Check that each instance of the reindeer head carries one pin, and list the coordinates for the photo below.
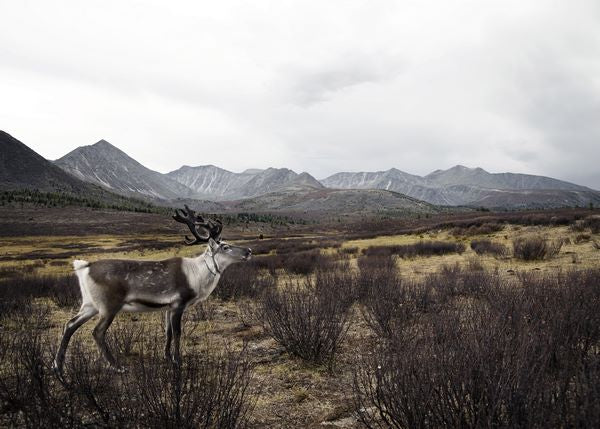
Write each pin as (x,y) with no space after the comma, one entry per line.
(225,254)
(209,232)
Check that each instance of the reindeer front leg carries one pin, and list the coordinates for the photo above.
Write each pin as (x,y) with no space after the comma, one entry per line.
(175,319)
(168,334)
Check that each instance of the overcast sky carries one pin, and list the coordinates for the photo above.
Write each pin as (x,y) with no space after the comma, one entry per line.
(319,86)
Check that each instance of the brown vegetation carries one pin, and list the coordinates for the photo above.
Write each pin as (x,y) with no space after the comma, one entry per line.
(422,248)
(401,331)
(517,357)
(488,247)
(535,248)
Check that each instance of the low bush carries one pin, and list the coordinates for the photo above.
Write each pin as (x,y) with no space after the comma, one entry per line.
(62,290)
(523,357)
(578,226)
(593,223)
(308,321)
(535,248)
(582,238)
(209,389)
(374,269)
(484,229)
(242,280)
(123,335)
(487,247)
(391,306)
(454,280)
(422,248)
(304,262)
(349,250)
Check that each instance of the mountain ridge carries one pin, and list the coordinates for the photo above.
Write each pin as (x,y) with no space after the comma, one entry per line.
(224,185)
(460,185)
(106,165)
(30,178)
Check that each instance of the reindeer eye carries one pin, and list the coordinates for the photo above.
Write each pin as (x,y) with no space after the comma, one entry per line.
(226,247)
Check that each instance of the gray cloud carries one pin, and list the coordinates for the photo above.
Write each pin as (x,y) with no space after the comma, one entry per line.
(310,86)
(315,86)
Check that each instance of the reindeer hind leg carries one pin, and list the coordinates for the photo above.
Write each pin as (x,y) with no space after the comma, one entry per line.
(86,312)
(99,334)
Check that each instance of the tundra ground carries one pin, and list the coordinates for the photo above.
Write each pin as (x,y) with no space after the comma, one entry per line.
(285,390)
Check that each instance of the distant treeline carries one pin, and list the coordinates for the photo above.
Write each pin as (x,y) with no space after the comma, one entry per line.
(25,197)
(28,197)
(262,218)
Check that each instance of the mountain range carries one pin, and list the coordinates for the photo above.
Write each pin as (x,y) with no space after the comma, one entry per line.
(22,169)
(104,166)
(461,185)
(214,183)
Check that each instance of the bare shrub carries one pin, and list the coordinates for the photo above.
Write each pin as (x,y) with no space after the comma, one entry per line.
(535,248)
(247,313)
(202,311)
(124,335)
(578,226)
(339,280)
(374,269)
(308,321)
(304,262)
(242,280)
(100,395)
(593,223)
(483,229)
(388,308)
(454,280)
(207,390)
(349,250)
(522,357)
(270,263)
(62,290)
(582,238)
(65,291)
(487,247)
(307,262)
(29,393)
(422,248)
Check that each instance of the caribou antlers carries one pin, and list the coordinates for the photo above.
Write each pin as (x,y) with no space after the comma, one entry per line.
(212,228)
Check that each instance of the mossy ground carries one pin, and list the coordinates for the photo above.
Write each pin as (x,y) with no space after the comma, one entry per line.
(291,393)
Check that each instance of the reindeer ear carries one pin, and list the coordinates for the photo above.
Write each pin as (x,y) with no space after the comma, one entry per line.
(213,244)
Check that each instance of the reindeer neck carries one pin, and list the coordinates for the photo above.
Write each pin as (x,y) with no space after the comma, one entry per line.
(211,263)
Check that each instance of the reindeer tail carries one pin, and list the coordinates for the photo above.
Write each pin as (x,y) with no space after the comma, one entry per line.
(79,264)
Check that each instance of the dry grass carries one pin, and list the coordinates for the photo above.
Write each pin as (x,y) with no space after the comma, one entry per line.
(293,393)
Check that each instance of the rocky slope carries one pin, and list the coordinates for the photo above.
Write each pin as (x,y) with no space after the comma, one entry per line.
(215,183)
(23,168)
(105,165)
(460,185)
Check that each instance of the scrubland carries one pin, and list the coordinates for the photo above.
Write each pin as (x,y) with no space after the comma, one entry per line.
(487,320)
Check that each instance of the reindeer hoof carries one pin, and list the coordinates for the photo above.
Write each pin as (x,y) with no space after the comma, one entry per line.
(57,368)
(118,369)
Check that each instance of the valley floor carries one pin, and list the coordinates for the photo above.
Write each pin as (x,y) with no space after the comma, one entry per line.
(288,391)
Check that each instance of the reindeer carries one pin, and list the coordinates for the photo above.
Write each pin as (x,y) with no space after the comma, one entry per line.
(111,286)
